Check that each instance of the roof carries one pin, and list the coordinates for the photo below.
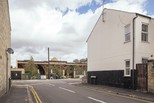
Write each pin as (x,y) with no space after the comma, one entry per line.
(118,11)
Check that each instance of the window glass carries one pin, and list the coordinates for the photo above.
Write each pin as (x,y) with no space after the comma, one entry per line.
(144,27)
(127,33)
(144,33)
(127,68)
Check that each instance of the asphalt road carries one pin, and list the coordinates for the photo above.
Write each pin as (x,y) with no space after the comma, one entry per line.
(63,91)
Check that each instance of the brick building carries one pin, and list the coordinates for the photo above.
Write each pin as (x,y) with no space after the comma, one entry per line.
(68,69)
(5,43)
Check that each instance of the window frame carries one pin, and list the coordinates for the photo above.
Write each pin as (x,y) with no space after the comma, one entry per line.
(127,68)
(127,32)
(144,32)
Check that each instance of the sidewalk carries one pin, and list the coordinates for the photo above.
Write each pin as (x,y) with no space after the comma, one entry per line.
(121,91)
(17,94)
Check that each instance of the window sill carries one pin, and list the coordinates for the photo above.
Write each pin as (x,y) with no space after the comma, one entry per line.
(127,75)
(127,42)
(145,42)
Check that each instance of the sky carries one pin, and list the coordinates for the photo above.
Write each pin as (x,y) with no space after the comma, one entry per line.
(61,25)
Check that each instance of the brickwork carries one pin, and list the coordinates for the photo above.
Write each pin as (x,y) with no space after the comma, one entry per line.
(67,69)
(151,76)
(5,42)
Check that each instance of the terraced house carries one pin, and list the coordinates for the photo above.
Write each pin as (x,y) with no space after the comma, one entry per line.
(5,43)
(118,42)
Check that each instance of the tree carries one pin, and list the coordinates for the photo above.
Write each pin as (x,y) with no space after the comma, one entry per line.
(76,61)
(57,70)
(31,69)
(83,60)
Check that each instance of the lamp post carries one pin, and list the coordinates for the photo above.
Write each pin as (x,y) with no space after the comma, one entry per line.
(8,51)
(48,63)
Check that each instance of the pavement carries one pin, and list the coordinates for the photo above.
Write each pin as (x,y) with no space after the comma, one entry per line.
(120,91)
(21,94)
(17,94)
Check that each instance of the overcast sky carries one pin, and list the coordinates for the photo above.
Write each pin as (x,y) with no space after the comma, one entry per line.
(61,25)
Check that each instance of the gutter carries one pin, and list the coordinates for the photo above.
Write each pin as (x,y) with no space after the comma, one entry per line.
(133,56)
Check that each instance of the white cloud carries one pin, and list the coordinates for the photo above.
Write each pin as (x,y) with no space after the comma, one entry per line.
(39,24)
(58,4)
(128,5)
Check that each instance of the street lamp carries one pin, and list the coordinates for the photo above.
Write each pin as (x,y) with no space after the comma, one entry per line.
(8,51)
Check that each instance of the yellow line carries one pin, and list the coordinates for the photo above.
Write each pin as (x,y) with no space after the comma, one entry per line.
(34,96)
(37,99)
(37,96)
(146,101)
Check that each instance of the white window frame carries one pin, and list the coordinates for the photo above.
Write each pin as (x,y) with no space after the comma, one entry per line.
(144,33)
(127,67)
(127,33)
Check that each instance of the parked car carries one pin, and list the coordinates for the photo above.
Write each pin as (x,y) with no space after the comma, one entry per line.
(54,76)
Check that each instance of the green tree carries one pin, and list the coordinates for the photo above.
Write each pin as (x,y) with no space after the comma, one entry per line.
(83,60)
(57,70)
(76,61)
(31,69)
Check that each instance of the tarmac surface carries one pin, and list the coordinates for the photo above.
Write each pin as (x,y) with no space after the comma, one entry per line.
(21,94)
(16,95)
(121,91)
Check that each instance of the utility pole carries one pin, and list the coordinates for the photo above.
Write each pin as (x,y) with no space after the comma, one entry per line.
(48,63)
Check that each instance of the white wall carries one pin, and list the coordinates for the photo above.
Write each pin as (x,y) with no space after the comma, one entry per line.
(144,49)
(106,47)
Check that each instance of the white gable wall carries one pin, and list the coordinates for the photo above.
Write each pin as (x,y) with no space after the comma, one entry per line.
(106,47)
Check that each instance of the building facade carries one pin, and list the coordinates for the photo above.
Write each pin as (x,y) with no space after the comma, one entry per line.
(5,43)
(61,68)
(118,42)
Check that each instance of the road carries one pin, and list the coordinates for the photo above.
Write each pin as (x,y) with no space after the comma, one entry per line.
(63,91)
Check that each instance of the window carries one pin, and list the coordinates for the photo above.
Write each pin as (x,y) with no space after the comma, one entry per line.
(144,34)
(144,60)
(127,68)
(127,33)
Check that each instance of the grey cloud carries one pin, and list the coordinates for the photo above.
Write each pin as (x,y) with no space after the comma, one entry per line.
(31,50)
(62,47)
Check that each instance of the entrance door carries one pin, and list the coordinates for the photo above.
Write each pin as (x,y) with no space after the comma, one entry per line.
(141,70)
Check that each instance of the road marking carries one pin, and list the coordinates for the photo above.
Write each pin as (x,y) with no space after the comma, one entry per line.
(111,93)
(52,85)
(74,83)
(67,90)
(96,100)
(37,98)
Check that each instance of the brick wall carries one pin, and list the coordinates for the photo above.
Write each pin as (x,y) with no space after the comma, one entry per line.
(151,76)
(5,42)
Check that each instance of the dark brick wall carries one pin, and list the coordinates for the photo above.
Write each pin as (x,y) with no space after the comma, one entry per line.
(114,78)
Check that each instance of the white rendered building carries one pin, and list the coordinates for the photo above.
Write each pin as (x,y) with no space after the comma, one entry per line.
(119,41)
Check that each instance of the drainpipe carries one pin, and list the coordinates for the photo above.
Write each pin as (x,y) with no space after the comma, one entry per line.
(7,72)
(133,56)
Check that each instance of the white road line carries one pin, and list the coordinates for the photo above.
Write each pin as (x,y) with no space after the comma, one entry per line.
(74,83)
(96,100)
(52,85)
(67,90)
